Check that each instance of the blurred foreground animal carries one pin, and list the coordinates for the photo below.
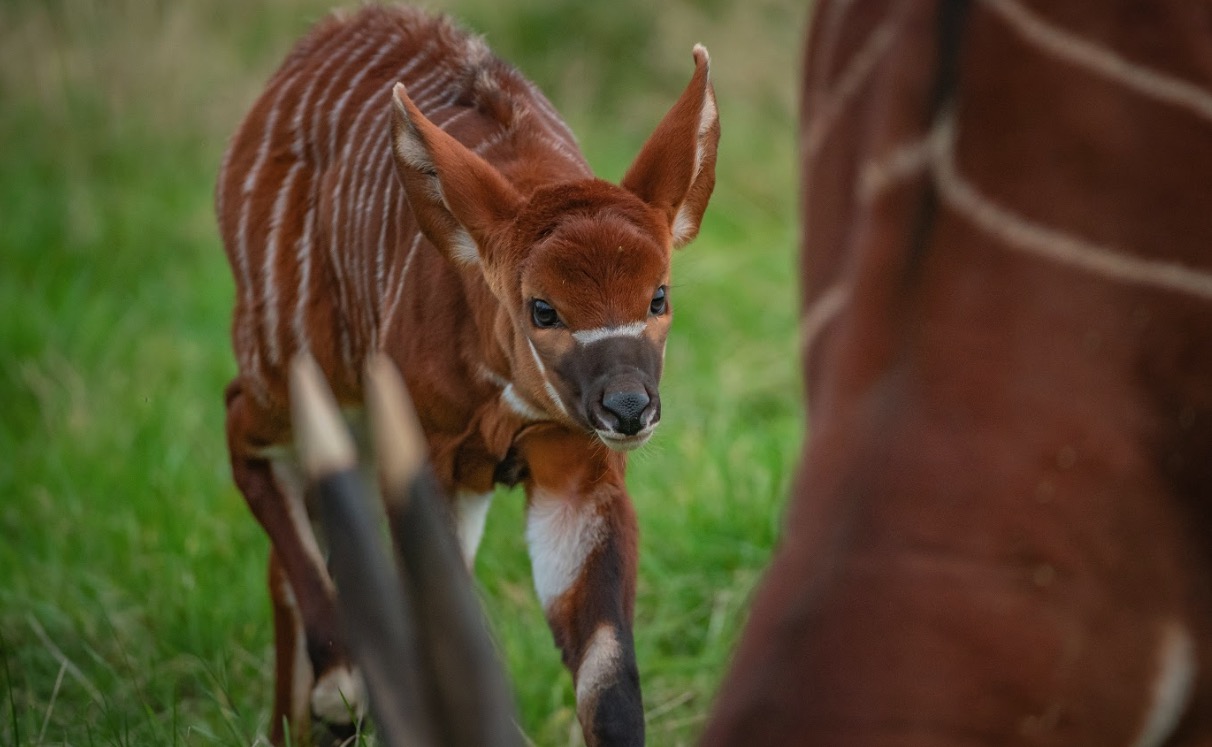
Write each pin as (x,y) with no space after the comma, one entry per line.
(410,615)
(398,189)
(1001,528)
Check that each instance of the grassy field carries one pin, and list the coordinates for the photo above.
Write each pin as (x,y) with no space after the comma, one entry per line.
(132,602)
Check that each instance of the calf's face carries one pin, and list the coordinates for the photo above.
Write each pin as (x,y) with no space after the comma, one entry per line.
(593,305)
(581,266)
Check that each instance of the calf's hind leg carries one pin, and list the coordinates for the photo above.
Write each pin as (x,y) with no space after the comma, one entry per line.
(300,587)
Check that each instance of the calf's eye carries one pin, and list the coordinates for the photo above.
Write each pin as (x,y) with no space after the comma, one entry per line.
(658,305)
(543,315)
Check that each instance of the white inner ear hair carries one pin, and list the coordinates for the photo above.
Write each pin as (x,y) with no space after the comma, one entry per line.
(683,225)
(412,151)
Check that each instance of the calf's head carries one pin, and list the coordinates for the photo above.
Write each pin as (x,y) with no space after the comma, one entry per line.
(582,266)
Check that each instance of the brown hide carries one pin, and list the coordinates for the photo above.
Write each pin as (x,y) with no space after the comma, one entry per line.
(999,528)
(397,189)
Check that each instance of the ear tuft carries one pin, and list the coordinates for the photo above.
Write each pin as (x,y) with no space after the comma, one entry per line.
(675,170)
(456,196)
(409,145)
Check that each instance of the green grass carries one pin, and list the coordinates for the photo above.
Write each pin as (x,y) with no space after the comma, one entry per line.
(132,601)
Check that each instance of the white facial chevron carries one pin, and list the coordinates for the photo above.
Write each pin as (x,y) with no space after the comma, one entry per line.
(590,336)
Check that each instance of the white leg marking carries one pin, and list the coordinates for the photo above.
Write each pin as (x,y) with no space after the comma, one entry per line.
(1172,689)
(339,696)
(599,664)
(471,512)
(560,535)
(1078,51)
(302,677)
(290,482)
(1018,232)
(590,336)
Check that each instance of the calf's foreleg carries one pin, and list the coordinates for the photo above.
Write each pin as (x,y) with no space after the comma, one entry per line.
(581,533)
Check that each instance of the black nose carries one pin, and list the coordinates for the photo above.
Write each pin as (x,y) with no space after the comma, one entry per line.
(627,406)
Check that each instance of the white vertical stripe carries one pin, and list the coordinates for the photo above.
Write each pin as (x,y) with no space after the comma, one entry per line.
(850,82)
(462,112)
(335,266)
(305,142)
(553,117)
(551,391)
(348,60)
(381,206)
(1172,687)
(320,75)
(427,83)
(519,406)
(351,86)
(820,313)
(389,316)
(269,270)
(358,246)
(488,143)
(437,98)
(356,254)
(375,143)
(1018,232)
(1101,61)
(303,258)
(251,361)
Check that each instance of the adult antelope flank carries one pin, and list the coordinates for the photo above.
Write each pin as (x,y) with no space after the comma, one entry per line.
(398,189)
(1000,526)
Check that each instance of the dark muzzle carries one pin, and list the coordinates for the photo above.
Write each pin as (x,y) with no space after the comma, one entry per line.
(627,405)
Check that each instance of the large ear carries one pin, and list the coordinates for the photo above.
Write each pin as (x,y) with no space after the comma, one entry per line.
(457,197)
(675,171)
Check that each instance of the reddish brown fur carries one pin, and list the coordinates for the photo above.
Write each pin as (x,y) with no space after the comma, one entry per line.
(999,530)
(349,217)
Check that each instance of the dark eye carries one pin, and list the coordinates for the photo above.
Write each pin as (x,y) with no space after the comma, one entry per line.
(657,307)
(543,315)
